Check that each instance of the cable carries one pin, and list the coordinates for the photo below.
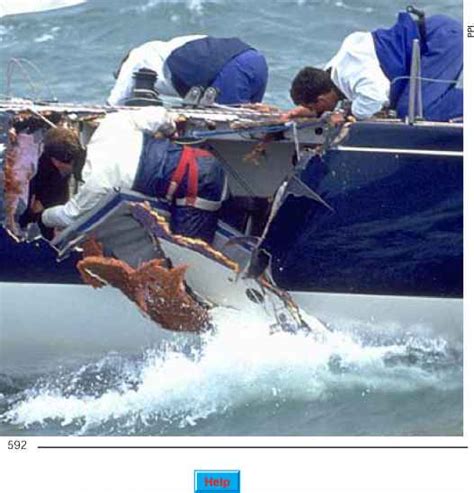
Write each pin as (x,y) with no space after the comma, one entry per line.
(426,79)
(10,68)
(20,63)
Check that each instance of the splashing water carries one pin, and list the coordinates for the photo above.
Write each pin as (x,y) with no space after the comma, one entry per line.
(240,366)
(193,6)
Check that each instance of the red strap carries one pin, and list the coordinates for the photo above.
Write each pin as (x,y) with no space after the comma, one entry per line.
(187,162)
(193,177)
(180,170)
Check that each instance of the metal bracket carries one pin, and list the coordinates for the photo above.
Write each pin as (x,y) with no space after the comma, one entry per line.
(193,96)
(198,97)
(209,97)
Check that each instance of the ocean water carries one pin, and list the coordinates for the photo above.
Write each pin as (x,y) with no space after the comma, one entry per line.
(78,48)
(241,380)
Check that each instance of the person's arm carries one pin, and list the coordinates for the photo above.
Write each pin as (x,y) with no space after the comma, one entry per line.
(61,216)
(369,99)
(112,160)
(153,119)
(356,71)
(101,171)
(363,108)
(299,112)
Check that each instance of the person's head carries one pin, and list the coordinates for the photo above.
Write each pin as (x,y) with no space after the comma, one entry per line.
(314,89)
(64,149)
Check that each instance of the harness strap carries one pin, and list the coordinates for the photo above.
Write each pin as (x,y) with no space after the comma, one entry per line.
(203,204)
(193,176)
(187,163)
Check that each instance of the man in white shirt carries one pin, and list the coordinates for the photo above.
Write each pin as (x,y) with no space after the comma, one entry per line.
(126,153)
(234,68)
(353,74)
(371,70)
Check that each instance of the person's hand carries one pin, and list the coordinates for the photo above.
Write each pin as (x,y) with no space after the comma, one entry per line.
(155,120)
(180,121)
(299,112)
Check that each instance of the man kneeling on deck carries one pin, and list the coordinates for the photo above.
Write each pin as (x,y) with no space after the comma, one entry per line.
(126,153)
(371,70)
(235,69)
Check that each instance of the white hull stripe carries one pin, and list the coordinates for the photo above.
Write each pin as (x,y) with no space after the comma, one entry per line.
(385,150)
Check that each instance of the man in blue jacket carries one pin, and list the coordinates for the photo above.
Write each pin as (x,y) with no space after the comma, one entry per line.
(125,152)
(238,71)
(371,70)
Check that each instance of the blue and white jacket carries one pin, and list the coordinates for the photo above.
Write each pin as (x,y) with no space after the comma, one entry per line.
(123,154)
(371,68)
(179,63)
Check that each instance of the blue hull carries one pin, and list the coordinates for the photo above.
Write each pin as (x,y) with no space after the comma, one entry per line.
(394,226)
(34,262)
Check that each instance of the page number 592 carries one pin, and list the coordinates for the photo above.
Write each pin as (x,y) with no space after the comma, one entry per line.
(16,444)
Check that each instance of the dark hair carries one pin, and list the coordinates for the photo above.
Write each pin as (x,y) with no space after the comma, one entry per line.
(64,145)
(310,83)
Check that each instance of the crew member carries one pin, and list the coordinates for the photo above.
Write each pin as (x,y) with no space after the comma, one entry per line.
(371,70)
(125,152)
(238,71)
(50,185)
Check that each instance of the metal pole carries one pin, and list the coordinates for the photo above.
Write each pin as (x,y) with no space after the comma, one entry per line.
(419,83)
(415,84)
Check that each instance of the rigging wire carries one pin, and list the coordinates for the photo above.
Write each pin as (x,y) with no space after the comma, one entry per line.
(425,79)
(22,64)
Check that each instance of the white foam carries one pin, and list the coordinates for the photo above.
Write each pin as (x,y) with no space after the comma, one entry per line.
(343,5)
(238,365)
(43,38)
(13,7)
(194,6)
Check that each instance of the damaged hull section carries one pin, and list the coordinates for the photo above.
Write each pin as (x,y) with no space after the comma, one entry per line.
(380,252)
